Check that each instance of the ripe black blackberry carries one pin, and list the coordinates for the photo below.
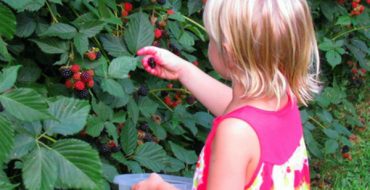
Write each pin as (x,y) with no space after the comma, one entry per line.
(148,137)
(144,127)
(190,100)
(98,55)
(115,149)
(345,149)
(66,73)
(104,149)
(151,62)
(161,2)
(143,90)
(164,93)
(82,93)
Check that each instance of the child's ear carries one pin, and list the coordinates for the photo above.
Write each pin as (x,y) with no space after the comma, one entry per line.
(230,55)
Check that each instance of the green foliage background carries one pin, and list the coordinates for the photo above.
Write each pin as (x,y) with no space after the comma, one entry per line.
(51,139)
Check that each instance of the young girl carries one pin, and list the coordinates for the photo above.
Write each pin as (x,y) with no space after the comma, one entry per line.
(267,49)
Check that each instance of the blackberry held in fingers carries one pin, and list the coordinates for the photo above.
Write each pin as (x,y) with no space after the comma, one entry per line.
(152,62)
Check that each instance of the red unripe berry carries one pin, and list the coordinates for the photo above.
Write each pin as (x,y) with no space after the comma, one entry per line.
(91,55)
(90,83)
(196,63)
(91,72)
(127,6)
(157,33)
(77,76)
(354,71)
(357,1)
(79,85)
(68,84)
(170,85)
(345,155)
(354,4)
(168,101)
(363,71)
(75,68)
(368,1)
(170,12)
(124,13)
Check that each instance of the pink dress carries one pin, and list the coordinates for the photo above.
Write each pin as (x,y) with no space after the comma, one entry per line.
(283,161)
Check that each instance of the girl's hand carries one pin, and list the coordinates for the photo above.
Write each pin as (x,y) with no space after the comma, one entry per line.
(167,65)
(152,183)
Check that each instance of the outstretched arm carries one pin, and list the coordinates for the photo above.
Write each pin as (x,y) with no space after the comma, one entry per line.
(213,94)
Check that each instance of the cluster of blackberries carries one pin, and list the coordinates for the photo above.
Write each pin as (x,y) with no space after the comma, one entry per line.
(78,80)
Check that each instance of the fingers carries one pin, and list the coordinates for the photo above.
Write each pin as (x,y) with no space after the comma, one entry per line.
(148,68)
(148,50)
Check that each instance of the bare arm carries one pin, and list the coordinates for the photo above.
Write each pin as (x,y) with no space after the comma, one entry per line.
(213,94)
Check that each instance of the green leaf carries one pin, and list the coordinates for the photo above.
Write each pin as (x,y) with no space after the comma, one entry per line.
(4,50)
(29,72)
(111,129)
(128,138)
(52,45)
(21,5)
(25,104)
(121,66)
(184,155)
(139,32)
(327,45)
(344,20)
(6,138)
(61,30)
(71,114)
(7,22)
(333,58)
(194,6)
(6,185)
(133,111)
(109,172)
(331,146)
(81,43)
(115,46)
(180,114)
(157,130)
(331,133)
(103,111)
(147,107)
(56,1)
(8,77)
(112,87)
(63,59)
(173,165)
(39,170)
(94,126)
(204,119)
(79,165)
(91,28)
(151,156)
(25,143)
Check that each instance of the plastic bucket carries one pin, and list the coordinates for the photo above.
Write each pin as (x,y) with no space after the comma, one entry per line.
(127,180)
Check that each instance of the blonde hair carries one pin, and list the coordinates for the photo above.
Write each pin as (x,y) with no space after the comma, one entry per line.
(272,42)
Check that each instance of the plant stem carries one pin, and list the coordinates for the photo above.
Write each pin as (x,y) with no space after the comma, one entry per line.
(317,122)
(161,101)
(52,13)
(46,137)
(195,23)
(170,89)
(349,31)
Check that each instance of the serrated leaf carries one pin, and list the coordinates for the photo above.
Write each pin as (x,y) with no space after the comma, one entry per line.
(71,114)
(173,165)
(331,146)
(109,172)
(81,43)
(147,107)
(25,143)
(151,156)
(61,30)
(52,45)
(8,76)
(79,165)
(21,5)
(194,6)
(204,119)
(7,22)
(94,126)
(4,50)
(115,46)
(25,104)
(56,1)
(7,185)
(112,131)
(103,111)
(112,87)
(182,154)
(333,58)
(91,28)
(180,114)
(128,138)
(6,138)
(157,130)
(121,66)
(63,59)
(29,72)
(39,170)
(139,32)
(331,133)
(133,111)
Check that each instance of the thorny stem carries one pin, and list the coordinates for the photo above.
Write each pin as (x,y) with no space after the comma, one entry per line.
(317,122)
(161,101)
(349,31)
(52,13)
